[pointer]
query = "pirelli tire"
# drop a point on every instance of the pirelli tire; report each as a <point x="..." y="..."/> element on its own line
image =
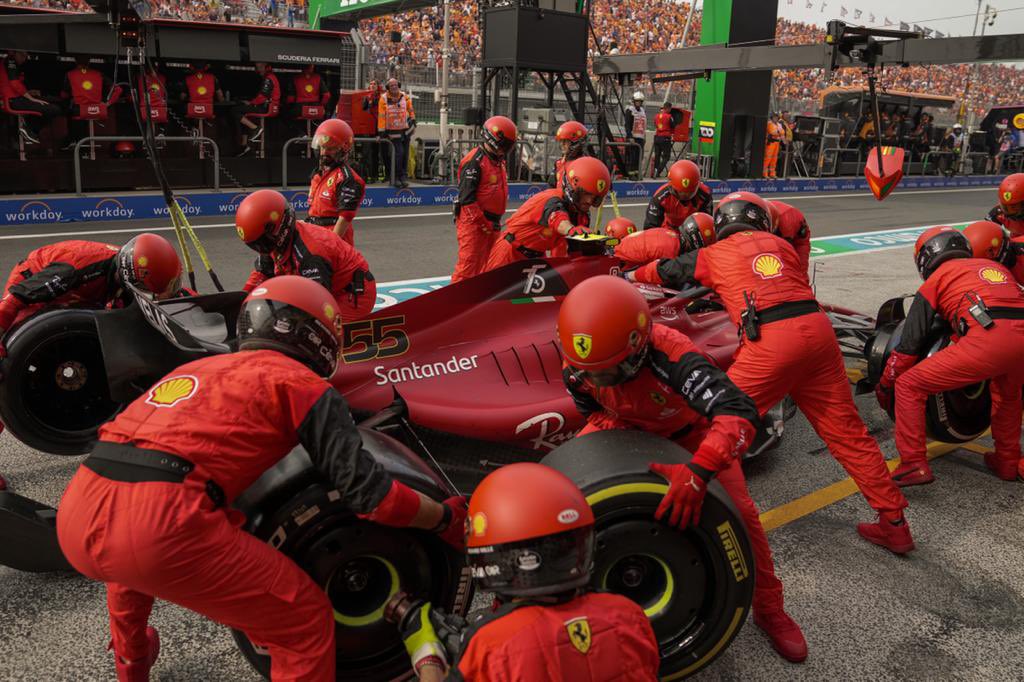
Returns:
<point x="54" y="392"/>
<point x="360" y="565"/>
<point x="957" y="416"/>
<point x="696" y="585"/>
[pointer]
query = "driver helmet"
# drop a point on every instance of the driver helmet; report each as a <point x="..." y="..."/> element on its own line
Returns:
<point x="499" y="134"/>
<point x="586" y="175"/>
<point x="265" y="221"/>
<point x="1011" y="196"/>
<point x="742" y="211"/>
<point x="573" y="136"/>
<point x="988" y="240"/>
<point x="603" y="326"/>
<point x="149" y="262"/>
<point x="937" y="245"/>
<point x="295" y="316"/>
<point x="531" y="532"/>
<point x="696" y="232"/>
<point x="684" y="177"/>
<point x="619" y="228"/>
<point x="333" y="139"/>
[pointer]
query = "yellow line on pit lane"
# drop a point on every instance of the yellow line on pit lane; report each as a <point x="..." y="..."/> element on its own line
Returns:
<point x="830" y="494"/>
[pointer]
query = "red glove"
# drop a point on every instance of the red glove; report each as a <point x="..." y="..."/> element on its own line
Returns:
<point x="897" y="364"/>
<point x="576" y="231"/>
<point x="452" y="528"/>
<point x="686" y="488"/>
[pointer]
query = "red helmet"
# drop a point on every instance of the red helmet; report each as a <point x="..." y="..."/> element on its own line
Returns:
<point x="124" y="149"/>
<point x="988" y="240"/>
<point x="618" y="228"/>
<point x="742" y="211"/>
<point x="295" y="316"/>
<point x="333" y="138"/>
<point x="500" y="133"/>
<point x="150" y="263"/>
<point x="1011" y="196"/>
<point x="937" y="245"/>
<point x="684" y="176"/>
<point x="265" y="221"/>
<point x="603" y="325"/>
<point x="531" y="532"/>
<point x="773" y="208"/>
<point x="586" y="175"/>
<point x="697" y="231"/>
<point x="575" y="133"/>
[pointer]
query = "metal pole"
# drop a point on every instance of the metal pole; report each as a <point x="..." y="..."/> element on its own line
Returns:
<point x="968" y="96"/>
<point x="445" y="66"/>
<point x="689" y="18"/>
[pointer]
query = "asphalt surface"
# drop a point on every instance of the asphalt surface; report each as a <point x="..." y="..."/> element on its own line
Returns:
<point x="952" y="610"/>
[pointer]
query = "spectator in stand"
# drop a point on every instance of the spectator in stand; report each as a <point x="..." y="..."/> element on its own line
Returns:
<point x="269" y="94"/>
<point x="20" y="97"/>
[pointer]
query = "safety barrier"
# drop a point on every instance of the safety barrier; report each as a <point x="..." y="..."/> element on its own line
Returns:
<point x="307" y="139"/>
<point x="118" y="138"/>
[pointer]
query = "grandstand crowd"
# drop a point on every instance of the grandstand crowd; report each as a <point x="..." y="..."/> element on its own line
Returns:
<point x="622" y="26"/>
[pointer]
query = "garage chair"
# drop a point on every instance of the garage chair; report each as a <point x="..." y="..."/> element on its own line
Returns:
<point x="273" y="110"/>
<point x="200" y="112"/>
<point x="96" y="112"/>
<point x="311" y="113"/>
<point x="5" y="106"/>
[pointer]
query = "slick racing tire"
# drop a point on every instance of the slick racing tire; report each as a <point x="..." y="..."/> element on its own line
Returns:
<point x="54" y="393"/>
<point x="360" y="565"/>
<point x="957" y="416"/>
<point x="696" y="585"/>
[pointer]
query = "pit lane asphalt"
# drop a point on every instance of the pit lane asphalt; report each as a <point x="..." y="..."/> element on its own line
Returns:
<point x="954" y="609"/>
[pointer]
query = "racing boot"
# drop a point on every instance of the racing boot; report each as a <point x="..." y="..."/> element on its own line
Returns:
<point x="138" y="670"/>
<point x="911" y="473"/>
<point x="785" y="635"/>
<point x="1005" y="469"/>
<point x="890" y="531"/>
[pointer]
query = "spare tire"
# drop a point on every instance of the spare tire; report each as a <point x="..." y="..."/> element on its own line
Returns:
<point x="957" y="416"/>
<point x="54" y="393"/>
<point x="360" y="565"/>
<point x="696" y="585"/>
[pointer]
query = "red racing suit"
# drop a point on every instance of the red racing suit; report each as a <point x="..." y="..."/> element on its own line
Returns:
<point x="797" y="353"/>
<point x="270" y="90"/>
<point x="595" y="637"/>
<point x="328" y="260"/>
<point x="85" y="85"/>
<point x="70" y="273"/>
<point x="483" y="195"/>
<point x="533" y="228"/>
<point x="225" y="419"/>
<point x="201" y="88"/>
<point x="675" y="395"/>
<point x="976" y="354"/>
<point x="336" y="192"/>
<point x="641" y="248"/>
<point x="792" y="227"/>
<point x="666" y="210"/>
<point x="1014" y="225"/>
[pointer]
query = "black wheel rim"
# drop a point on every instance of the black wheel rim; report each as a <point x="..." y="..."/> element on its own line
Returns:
<point x="64" y="384"/>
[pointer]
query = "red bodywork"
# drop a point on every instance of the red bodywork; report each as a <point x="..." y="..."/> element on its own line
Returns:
<point x="479" y="358"/>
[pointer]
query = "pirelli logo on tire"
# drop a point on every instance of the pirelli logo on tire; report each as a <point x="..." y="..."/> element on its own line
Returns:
<point x="731" y="545"/>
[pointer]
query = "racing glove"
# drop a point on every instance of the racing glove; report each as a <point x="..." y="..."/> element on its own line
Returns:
<point x="452" y="527"/>
<point x="421" y="641"/>
<point x="576" y="231"/>
<point x="897" y="364"/>
<point x="687" y="485"/>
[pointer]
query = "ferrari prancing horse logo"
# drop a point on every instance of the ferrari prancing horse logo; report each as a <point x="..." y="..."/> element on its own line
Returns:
<point x="579" y="633"/>
<point x="582" y="343"/>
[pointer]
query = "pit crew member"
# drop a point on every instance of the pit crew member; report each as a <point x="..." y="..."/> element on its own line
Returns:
<point x="335" y="190"/>
<point x="989" y="240"/>
<point x="572" y="138"/>
<point x="789" y="222"/>
<point x="656" y="243"/>
<point x="683" y="195"/>
<point x="1010" y="211"/>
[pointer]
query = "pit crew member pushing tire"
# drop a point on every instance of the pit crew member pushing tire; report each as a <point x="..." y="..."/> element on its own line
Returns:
<point x="266" y="222"/>
<point x="625" y="373"/>
<point x="149" y="511"/>
<point x="985" y="308"/>
<point x="787" y="347"/>
<point x="546" y="624"/>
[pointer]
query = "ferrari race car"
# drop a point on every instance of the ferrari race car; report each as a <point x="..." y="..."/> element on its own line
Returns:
<point x="472" y="369"/>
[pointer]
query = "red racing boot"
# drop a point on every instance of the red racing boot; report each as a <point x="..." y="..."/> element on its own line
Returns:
<point x="890" y="531"/>
<point x="784" y="634"/>
<point x="1005" y="469"/>
<point x="138" y="670"/>
<point x="910" y="473"/>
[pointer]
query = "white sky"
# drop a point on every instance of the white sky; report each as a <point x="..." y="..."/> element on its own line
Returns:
<point x="933" y="14"/>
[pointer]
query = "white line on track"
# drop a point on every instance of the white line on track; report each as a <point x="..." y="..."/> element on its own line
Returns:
<point x="399" y="216"/>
